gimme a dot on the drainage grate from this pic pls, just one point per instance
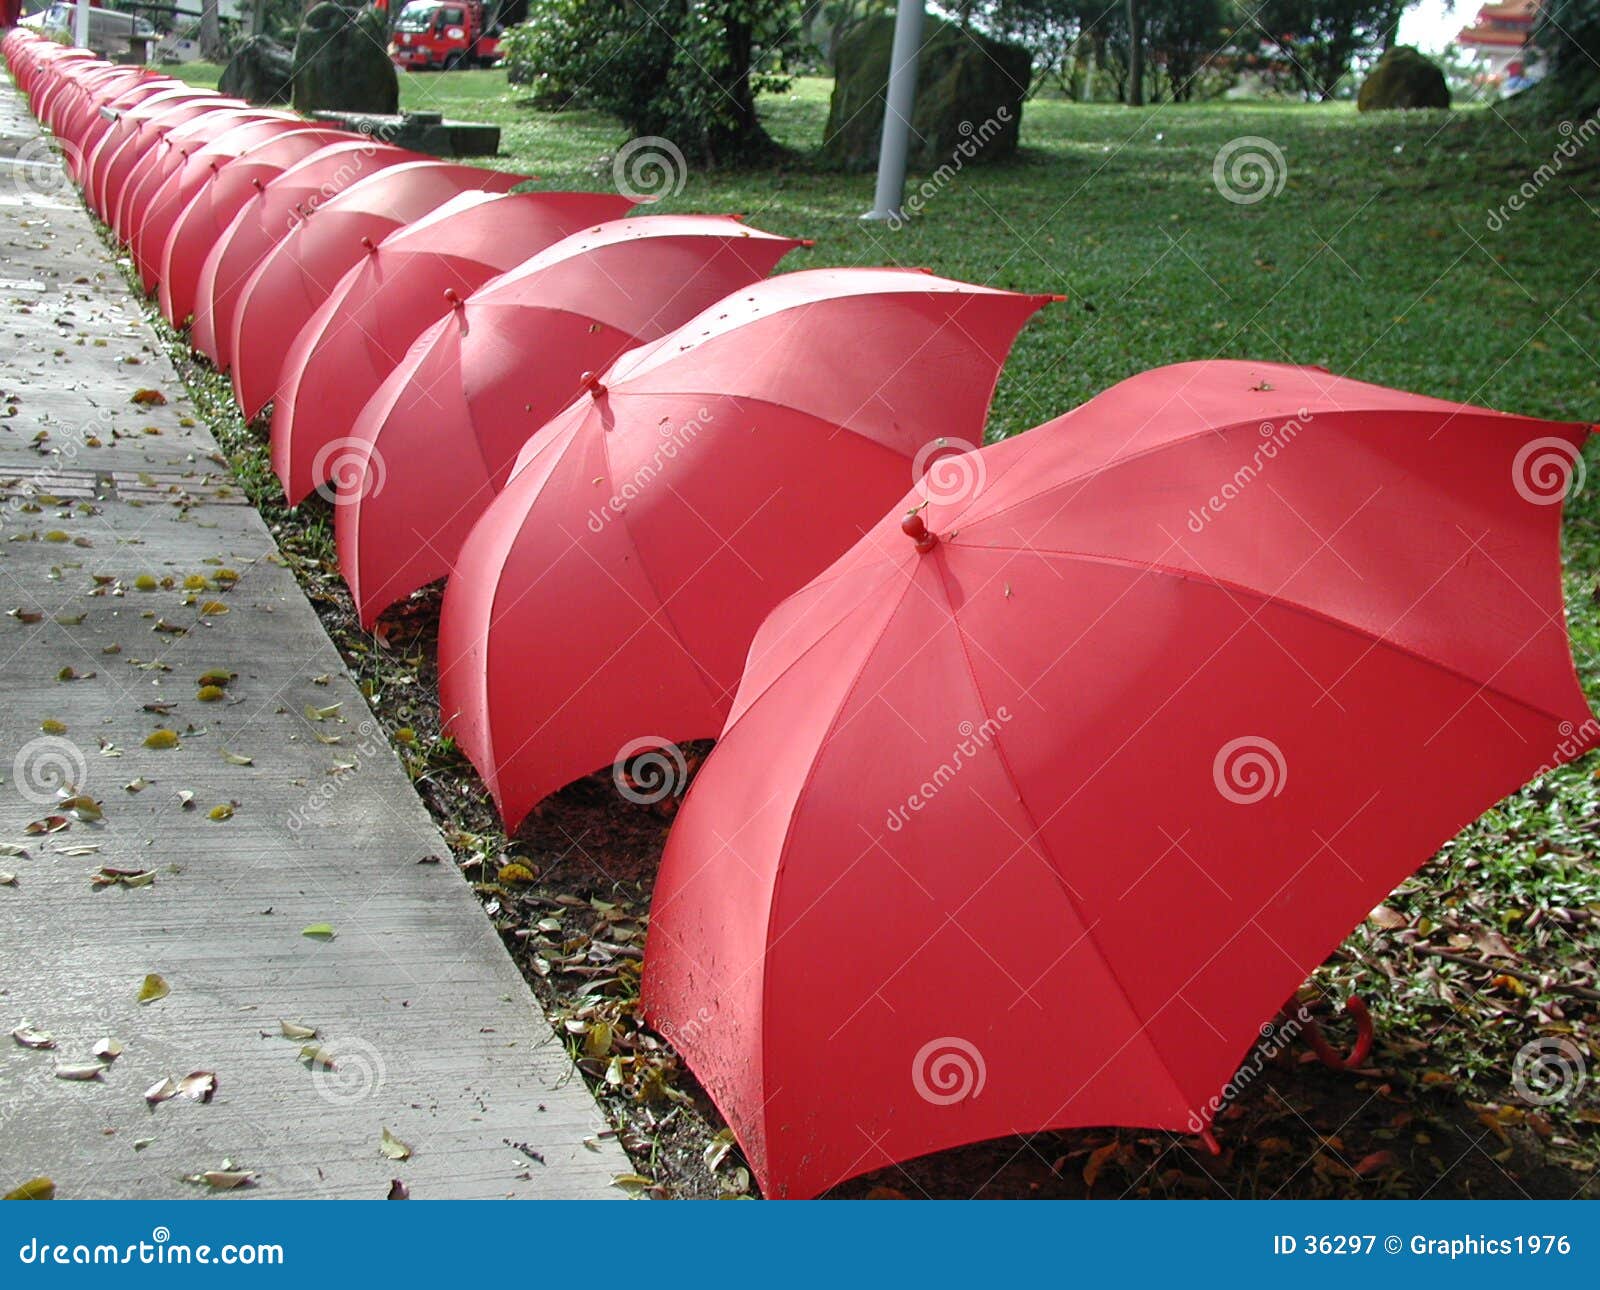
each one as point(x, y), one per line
point(147, 486)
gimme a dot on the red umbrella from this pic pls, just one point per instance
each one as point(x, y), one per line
point(138, 130)
point(445, 428)
point(60, 105)
point(88, 120)
point(1049, 793)
point(611, 590)
point(120, 124)
point(299, 272)
point(199, 168)
point(205, 221)
point(168, 156)
point(265, 220)
point(391, 295)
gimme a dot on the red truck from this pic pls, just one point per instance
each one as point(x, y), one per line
point(443, 34)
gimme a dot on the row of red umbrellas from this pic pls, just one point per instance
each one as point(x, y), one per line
point(1038, 787)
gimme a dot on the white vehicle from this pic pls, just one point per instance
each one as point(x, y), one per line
point(111, 33)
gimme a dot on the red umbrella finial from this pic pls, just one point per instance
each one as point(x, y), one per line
point(915, 528)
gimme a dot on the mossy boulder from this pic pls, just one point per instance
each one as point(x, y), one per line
point(261, 71)
point(969, 96)
point(341, 62)
point(1403, 78)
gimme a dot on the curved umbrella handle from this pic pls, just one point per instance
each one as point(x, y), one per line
point(1356, 1007)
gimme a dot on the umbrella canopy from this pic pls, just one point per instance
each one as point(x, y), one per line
point(60, 104)
point(171, 153)
point(202, 162)
point(135, 132)
point(86, 124)
point(265, 219)
point(443, 431)
point(390, 296)
point(1113, 739)
point(611, 591)
point(167, 157)
point(202, 224)
point(299, 272)
point(123, 122)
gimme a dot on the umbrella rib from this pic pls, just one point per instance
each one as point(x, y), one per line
point(1036, 840)
point(1295, 606)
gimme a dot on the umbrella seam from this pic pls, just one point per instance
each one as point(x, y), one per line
point(1038, 840)
point(794, 813)
point(633, 541)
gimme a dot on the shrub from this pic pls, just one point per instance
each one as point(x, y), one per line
point(685, 70)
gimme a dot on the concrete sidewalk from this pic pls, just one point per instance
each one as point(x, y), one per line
point(131, 565)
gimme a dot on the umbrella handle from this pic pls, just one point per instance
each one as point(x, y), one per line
point(1356, 1007)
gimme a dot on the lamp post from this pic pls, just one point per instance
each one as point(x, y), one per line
point(897, 108)
point(80, 25)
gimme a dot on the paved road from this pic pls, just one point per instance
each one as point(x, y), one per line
point(431, 1032)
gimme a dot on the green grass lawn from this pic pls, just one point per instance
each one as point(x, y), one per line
point(1376, 262)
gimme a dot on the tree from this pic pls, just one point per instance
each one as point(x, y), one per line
point(687, 71)
point(1179, 39)
point(1135, 54)
point(1568, 33)
point(1321, 38)
point(211, 44)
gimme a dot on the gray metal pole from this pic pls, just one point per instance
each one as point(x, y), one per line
point(80, 25)
point(897, 108)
